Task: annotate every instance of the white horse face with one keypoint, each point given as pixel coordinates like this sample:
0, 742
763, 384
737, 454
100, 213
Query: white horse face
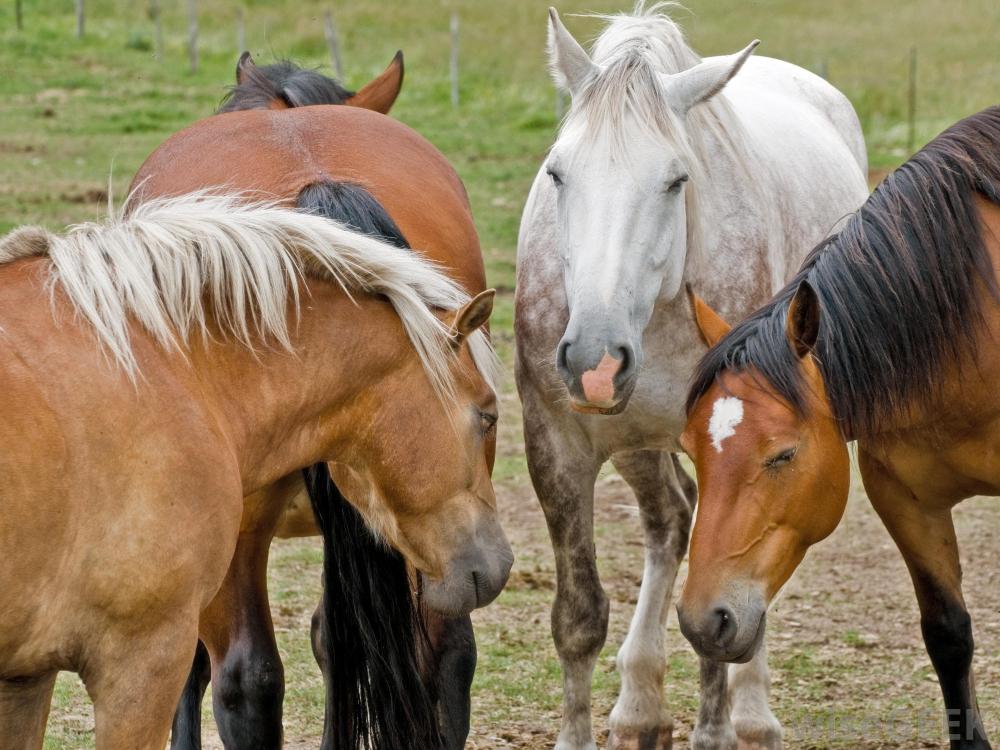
622, 222
622, 229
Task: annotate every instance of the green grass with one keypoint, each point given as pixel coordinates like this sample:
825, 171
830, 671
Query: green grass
76, 111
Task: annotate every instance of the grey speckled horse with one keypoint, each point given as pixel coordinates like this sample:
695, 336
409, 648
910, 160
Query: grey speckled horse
659, 178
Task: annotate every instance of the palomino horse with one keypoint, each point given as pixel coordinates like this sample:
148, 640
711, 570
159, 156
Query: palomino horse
159, 369
320, 157
656, 178
887, 336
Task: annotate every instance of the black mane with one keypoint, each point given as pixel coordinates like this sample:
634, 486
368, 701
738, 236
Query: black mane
900, 287
285, 81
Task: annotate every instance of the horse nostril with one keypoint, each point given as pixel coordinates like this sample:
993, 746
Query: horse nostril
725, 624
626, 356
562, 355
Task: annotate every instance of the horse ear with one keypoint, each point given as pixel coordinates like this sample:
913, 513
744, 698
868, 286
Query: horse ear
705, 80
472, 316
802, 326
710, 324
380, 93
243, 67
568, 61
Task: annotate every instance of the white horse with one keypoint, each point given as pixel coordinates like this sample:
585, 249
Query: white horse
658, 177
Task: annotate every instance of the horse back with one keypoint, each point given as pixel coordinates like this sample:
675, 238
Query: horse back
277, 154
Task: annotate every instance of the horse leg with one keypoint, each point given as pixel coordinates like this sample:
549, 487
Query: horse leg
563, 472
926, 539
247, 677
749, 687
449, 669
639, 718
185, 733
24, 709
135, 680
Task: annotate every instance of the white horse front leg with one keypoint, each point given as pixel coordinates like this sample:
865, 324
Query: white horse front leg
749, 687
640, 719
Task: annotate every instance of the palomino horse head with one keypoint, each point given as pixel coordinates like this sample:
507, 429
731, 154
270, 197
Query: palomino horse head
427, 487
773, 479
621, 167
284, 84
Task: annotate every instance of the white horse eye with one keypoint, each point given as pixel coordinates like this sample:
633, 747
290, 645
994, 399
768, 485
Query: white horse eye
556, 179
675, 186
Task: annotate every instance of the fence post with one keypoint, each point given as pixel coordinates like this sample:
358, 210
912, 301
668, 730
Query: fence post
454, 59
79, 19
154, 14
333, 44
193, 34
911, 135
18, 17
241, 32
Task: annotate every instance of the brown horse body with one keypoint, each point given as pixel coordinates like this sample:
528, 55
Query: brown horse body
124, 495
888, 336
278, 154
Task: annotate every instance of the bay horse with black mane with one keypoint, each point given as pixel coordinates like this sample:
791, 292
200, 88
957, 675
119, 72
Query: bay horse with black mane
160, 369
331, 174
887, 336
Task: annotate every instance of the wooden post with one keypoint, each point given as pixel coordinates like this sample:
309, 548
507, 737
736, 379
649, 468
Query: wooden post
911, 134
193, 34
454, 59
79, 19
241, 32
154, 14
333, 44
18, 17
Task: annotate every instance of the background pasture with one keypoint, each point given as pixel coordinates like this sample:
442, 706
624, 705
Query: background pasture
849, 669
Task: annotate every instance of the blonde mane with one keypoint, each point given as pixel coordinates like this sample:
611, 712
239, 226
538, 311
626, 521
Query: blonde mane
172, 264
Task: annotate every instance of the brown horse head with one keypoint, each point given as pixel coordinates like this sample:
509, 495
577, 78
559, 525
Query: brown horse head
773, 479
430, 493
283, 85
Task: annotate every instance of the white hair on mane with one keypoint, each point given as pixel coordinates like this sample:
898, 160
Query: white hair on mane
170, 263
630, 54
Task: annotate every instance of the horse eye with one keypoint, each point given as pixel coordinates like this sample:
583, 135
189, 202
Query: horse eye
675, 186
556, 179
779, 460
489, 420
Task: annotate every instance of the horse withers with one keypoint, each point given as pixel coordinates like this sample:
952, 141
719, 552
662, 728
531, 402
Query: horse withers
668, 169
160, 368
887, 336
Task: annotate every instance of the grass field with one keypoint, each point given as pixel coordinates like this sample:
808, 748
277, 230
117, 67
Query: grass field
846, 644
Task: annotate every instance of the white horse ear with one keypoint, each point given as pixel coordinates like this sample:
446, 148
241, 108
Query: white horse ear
705, 80
568, 61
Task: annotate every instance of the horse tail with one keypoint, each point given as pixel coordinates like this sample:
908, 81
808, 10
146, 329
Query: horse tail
372, 631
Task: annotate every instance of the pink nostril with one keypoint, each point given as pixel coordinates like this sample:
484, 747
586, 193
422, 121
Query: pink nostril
599, 383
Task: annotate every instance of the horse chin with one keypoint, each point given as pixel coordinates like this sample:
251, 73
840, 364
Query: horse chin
607, 409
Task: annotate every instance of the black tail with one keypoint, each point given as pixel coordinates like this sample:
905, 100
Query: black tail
372, 631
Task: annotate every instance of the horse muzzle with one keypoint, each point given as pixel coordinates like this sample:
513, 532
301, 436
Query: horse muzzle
474, 577
730, 630
599, 373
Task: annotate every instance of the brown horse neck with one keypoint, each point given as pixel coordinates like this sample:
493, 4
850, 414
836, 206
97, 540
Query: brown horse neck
283, 410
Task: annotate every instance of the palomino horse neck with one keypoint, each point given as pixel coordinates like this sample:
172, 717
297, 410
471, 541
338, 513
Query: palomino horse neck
888, 336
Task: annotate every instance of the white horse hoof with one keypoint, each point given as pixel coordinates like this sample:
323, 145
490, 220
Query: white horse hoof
657, 738
758, 733
714, 738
